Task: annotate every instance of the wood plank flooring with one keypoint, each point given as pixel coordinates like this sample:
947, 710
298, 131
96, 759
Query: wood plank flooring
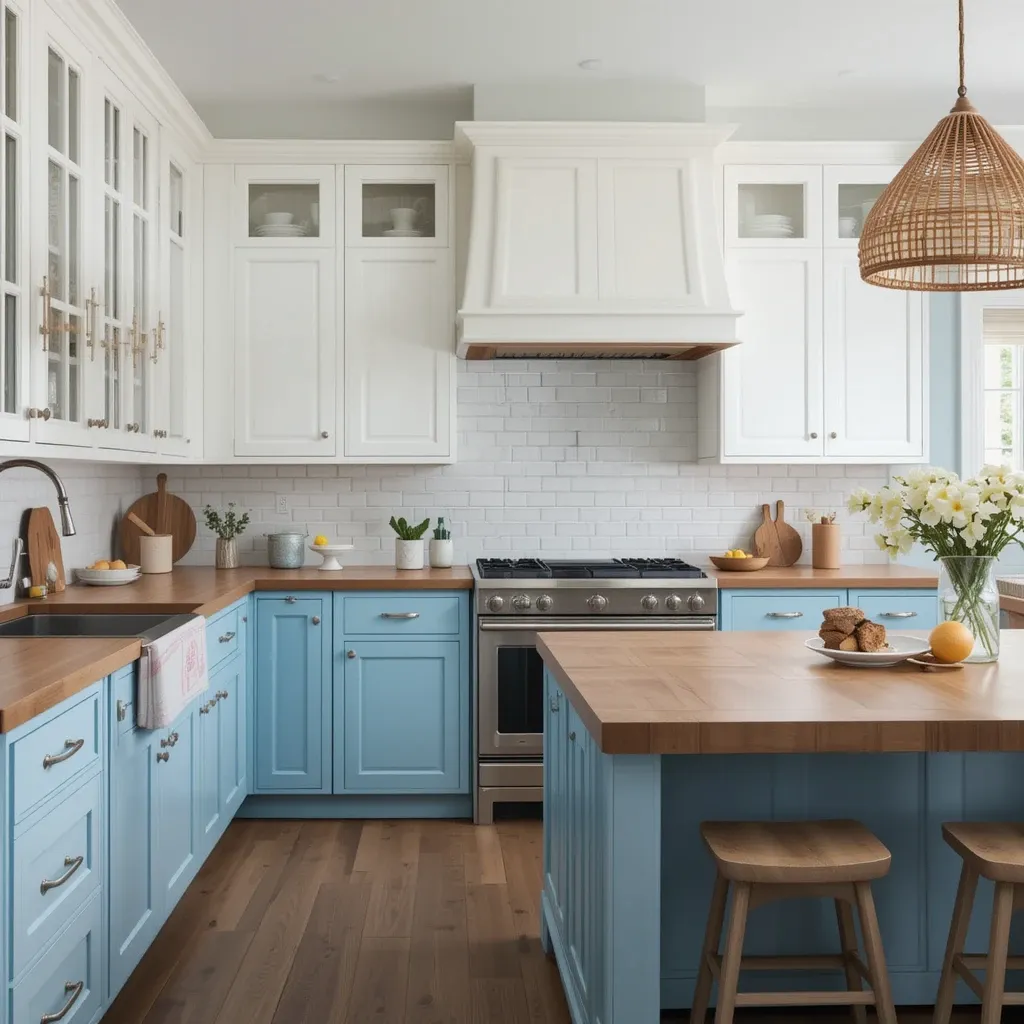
377, 922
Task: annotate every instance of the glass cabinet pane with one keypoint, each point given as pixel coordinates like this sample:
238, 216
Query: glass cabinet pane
55, 104
175, 342
177, 202
855, 202
11, 68
284, 210
55, 229
10, 355
11, 196
74, 115
398, 210
771, 210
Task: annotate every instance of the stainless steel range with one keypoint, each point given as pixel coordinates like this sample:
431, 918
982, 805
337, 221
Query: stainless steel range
517, 599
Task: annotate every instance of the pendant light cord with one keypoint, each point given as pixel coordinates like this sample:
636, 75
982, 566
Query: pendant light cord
962, 91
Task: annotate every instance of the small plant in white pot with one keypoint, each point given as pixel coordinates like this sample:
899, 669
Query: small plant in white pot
442, 549
409, 543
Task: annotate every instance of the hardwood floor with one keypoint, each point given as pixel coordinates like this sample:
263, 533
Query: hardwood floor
349, 922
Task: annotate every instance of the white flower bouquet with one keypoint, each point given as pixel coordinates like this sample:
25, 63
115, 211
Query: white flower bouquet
966, 524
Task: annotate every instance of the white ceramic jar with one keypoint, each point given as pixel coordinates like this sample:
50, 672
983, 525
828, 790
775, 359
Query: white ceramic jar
408, 554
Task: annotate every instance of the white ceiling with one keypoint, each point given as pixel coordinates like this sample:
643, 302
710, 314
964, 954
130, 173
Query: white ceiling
746, 52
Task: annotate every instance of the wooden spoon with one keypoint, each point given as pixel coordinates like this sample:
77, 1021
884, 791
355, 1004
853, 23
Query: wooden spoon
144, 527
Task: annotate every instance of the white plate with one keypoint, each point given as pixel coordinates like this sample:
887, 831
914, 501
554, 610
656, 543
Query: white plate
281, 231
900, 648
403, 233
108, 577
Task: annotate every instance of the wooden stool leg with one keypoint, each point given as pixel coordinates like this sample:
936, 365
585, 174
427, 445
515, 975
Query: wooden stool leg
875, 954
955, 943
730, 979
999, 940
848, 944
712, 937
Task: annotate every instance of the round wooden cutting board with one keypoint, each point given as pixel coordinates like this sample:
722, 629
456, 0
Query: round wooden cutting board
164, 513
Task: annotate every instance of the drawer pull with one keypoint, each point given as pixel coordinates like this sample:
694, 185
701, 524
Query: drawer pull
122, 709
290, 599
399, 615
71, 747
163, 756
785, 615
207, 707
555, 705
221, 695
898, 615
226, 638
75, 988
72, 864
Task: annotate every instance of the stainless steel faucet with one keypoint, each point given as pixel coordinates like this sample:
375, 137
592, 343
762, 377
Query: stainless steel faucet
67, 524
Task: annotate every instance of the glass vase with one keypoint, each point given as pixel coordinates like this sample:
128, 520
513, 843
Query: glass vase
968, 594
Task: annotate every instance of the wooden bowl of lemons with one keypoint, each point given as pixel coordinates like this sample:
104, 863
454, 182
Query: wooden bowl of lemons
738, 561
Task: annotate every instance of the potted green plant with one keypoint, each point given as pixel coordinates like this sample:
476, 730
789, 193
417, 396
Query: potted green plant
409, 543
227, 526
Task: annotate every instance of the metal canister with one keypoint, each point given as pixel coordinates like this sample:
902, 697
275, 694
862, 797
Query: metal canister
286, 550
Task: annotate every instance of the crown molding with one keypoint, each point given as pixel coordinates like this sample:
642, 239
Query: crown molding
811, 152
329, 151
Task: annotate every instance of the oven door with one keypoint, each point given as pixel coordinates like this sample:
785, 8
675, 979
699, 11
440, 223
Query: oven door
510, 676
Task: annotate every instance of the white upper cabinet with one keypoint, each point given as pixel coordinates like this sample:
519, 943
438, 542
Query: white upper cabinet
285, 352
875, 395
545, 232
284, 206
772, 399
387, 206
14, 256
829, 369
399, 354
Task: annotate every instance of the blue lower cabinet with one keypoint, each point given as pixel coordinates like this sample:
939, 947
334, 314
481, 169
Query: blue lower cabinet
899, 609
776, 609
401, 717
231, 694
207, 798
292, 713
174, 795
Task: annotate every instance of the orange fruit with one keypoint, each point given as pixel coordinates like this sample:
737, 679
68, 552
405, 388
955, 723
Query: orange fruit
951, 642
101, 564
118, 564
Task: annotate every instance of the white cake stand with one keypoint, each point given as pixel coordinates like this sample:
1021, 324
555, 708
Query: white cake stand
329, 553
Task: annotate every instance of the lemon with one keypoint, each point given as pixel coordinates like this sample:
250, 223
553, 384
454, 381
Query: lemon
951, 642
118, 564
101, 564
320, 540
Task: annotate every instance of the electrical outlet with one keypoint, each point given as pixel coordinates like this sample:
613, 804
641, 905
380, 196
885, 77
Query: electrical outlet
283, 505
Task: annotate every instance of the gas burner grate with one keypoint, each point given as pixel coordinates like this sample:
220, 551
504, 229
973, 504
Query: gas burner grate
512, 569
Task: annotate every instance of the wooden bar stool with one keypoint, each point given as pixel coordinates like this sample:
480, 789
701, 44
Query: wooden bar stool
993, 850
767, 861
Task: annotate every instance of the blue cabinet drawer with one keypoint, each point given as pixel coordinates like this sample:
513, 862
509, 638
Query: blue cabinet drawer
53, 754
899, 609
56, 868
67, 981
223, 634
397, 614
777, 609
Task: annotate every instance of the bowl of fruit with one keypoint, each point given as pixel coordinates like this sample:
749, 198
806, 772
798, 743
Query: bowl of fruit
113, 573
738, 560
329, 552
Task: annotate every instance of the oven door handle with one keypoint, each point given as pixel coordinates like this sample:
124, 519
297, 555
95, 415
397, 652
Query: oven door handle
598, 624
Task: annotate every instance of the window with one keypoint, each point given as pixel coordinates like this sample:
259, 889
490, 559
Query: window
992, 355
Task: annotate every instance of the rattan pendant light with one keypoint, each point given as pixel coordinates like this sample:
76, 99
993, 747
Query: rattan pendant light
953, 218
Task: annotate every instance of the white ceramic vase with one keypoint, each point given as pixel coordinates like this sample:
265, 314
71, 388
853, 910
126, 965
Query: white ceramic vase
408, 554
442, 552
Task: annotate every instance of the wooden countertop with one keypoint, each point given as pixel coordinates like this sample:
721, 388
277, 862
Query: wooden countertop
794, 576
37, 673
729, 693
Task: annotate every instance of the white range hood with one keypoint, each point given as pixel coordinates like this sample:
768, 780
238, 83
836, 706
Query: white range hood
593, 240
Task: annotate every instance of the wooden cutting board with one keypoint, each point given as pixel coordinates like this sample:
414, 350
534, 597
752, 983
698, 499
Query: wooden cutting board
777, 540
165, 513
44, 548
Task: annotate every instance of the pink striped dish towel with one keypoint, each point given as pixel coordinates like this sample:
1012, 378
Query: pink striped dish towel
172, 672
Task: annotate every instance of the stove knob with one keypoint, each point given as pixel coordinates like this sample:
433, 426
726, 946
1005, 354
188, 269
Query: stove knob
496, 603
597, 603
673, 602
695, 602
649, 603
521, 602
544, 603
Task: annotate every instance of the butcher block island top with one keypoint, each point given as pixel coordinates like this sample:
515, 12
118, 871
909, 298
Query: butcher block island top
796, 577
737, 693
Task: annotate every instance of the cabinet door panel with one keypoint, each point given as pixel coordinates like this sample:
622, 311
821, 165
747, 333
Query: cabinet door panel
771, 390
284, 352
777, 609
208, 803
399, 353
554, 200
293, 696
875, 363
403, 717
174, 806
230, 680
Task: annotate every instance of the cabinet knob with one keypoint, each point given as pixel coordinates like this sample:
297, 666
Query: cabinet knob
163, 756
291, 599
572, 737
814, 433
350, 654
316, 620
324, 434
222, 695
205, 709
833, 435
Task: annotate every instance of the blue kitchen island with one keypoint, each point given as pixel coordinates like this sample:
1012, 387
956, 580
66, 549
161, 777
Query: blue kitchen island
647, 735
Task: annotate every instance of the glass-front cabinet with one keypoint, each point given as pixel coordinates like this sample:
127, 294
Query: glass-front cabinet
14, 363
768, 206
396, 206
285, 206
849, 193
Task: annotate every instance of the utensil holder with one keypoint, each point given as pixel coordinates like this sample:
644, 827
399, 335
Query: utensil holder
825, 539
156, 553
